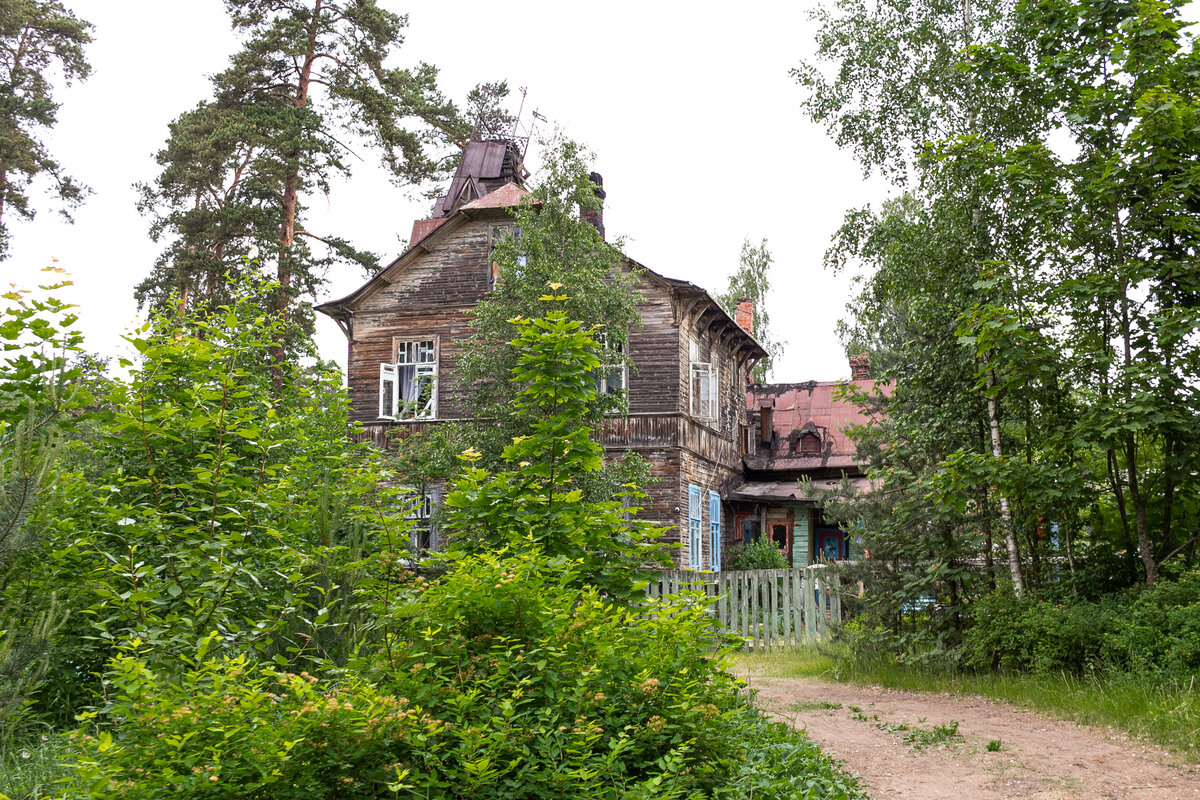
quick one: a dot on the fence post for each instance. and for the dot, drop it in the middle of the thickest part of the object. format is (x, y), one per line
(810, 603)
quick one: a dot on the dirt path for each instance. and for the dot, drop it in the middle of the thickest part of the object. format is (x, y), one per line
(1037, 757)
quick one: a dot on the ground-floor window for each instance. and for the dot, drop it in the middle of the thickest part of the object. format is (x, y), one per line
(695, 533)
(419, 510)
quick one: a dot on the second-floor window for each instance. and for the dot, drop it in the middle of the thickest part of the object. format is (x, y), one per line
(408, 387)
(610, 375)
(702, 378)
(704, 390)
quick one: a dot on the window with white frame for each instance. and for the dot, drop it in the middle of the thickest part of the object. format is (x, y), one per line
(418, 508)
(714, 529)
(695, 528)
(702, 380)
(408, 387)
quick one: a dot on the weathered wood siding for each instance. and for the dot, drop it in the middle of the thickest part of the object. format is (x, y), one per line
(429, 299)
(453, 273)
(654, 348)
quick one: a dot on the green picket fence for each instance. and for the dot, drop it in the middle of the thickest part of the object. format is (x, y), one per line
(767, 608)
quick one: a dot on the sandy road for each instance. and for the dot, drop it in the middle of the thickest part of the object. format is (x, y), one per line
(1038, 757)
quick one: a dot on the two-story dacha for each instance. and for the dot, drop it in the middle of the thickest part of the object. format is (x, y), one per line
(720, 465)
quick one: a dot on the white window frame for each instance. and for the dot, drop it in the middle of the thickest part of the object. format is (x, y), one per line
(714, 529)
(422, 355)
(695, 528)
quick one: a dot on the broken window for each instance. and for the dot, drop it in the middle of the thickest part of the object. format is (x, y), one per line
(408, 387)
(418, 509)
(610, 375)
(499, 234)
(810, 445)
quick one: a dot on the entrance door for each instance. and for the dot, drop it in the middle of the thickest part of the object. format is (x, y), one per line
(781, 536)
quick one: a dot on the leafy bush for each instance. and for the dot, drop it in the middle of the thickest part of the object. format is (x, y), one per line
(503, 680)
(759, 554)
(1143, 630)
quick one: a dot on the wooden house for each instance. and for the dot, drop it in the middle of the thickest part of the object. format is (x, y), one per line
(687, 410)
(800, 432)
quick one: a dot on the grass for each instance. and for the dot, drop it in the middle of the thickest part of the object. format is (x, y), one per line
(29, 767)
(1159, 710)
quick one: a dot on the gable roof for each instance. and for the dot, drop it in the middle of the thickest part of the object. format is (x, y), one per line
(425, 235)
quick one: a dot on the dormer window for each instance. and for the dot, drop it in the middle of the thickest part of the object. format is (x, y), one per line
(810, 445)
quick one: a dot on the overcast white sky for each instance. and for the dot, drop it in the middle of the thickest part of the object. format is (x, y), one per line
(691, 113)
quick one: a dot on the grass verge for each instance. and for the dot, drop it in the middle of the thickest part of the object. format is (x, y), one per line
(1157, 709)
(29, 767)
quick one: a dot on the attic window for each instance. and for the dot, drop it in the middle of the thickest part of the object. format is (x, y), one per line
(499, 234)
(810, 445)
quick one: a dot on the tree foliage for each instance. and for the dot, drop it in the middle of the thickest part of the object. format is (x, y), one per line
(554, 246)
(39, 41)
(751, 281)
(537, 499)
(1029, 290)
(313, 80)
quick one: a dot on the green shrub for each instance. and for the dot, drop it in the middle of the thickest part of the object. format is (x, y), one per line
(759, 554)
(1152, 629)
(1032, 634)
(502, 680)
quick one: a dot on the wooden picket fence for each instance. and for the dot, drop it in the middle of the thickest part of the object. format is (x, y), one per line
(767, 608)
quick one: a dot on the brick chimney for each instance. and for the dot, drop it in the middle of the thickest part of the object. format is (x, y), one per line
(860, 367)
(595, 217)
(745, 315)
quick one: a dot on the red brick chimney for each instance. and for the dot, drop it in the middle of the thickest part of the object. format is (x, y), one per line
(860, 367)
(745, 315)
(595, 217)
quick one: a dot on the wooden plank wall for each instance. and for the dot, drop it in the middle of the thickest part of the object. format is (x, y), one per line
(768, 609)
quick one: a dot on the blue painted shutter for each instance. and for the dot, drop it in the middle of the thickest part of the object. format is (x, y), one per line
(714, 529)
(695, 537)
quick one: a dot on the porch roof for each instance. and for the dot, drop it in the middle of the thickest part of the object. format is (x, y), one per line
(790, 491)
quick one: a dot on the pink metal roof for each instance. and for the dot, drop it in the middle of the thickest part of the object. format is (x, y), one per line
(796, 405)
(424, 227)
(506, 196)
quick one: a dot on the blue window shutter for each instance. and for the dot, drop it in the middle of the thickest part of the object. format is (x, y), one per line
(695, 535)
(714, 529)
